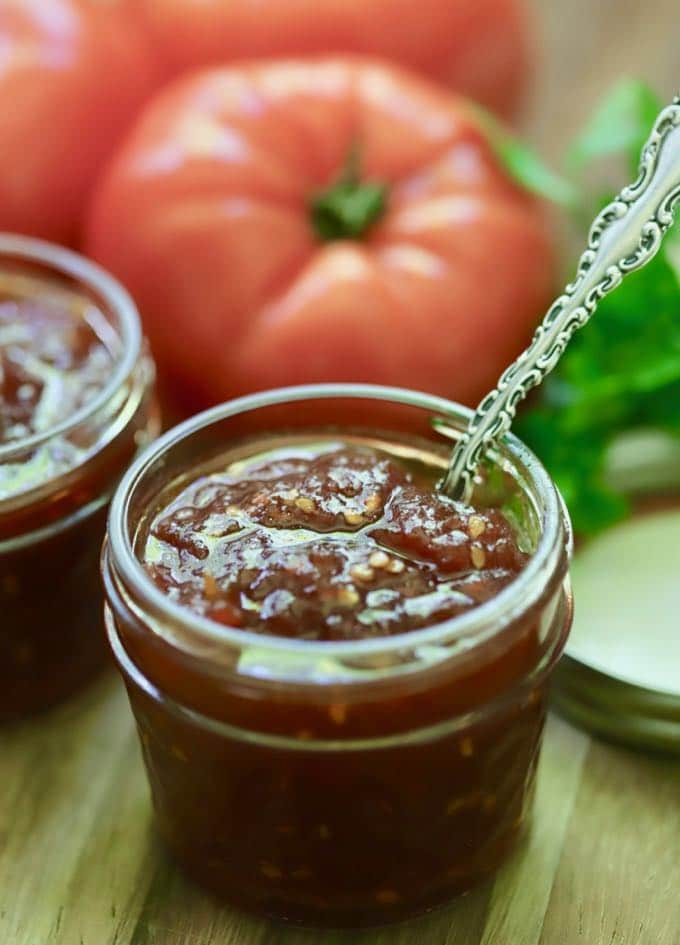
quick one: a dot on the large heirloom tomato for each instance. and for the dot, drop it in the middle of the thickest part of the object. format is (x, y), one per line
(71, 76)
(252, 271)
(479, 47)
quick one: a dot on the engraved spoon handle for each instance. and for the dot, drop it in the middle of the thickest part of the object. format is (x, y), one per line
(623, 237)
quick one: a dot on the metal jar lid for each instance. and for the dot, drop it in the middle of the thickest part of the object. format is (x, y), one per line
(615, 709)
(620, 673)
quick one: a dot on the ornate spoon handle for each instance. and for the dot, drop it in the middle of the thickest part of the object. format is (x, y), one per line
(623, 237)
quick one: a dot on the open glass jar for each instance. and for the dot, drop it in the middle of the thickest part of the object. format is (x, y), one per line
(56, 481)
(339, 783)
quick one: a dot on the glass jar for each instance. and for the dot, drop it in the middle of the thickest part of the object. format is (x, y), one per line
(51, 527)
(340, 783)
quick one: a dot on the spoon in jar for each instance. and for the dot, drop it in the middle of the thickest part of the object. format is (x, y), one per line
(624, 236)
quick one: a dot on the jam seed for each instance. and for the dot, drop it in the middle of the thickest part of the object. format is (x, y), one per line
(324, 832)
(379, 559)
(362, 572)
(387, 897)
(489, 802)
(352, 517)
(373, 502)
(178, 753)
(476, 526)
(478, 557)
(210, 588)
(338, 713)
(396, 566)
(467, 801)
(347, 596)
(466, 746)
(270, 871)
(301, 874)
(305, 504)
(454, 805)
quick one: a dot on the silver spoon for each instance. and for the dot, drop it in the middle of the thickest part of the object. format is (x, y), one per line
(623, 237)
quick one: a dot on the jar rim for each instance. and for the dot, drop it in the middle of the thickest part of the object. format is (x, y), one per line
(109, 291)
(525, 589)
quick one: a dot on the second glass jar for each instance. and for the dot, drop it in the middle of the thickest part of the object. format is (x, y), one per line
(52, 640)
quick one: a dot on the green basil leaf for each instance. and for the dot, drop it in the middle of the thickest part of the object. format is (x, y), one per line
(523, 164)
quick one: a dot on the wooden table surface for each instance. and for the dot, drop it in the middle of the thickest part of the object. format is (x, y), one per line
(79, 862)
(80, 865)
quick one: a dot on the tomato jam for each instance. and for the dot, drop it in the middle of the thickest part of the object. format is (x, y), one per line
(73, 407)
(338, 674)
(327, 542)
(52, 362)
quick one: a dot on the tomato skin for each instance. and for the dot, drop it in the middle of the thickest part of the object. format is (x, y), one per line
(71, 77)
(204, 214)
(478, 47)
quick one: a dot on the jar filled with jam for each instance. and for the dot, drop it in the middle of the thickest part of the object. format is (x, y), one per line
(338, 673)
(75, 407)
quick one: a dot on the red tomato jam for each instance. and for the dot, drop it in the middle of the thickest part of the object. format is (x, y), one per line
(52, 362)
(61, 345)
(338, 674)
(327, 543)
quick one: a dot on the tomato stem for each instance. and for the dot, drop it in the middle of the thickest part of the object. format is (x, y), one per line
(350, 206)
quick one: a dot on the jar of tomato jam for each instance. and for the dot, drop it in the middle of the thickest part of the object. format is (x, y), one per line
(75, 407)
(338, 675)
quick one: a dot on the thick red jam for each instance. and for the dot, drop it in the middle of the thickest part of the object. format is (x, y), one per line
(338, 674)
(62, 342)
(53, 362)
(327, 542)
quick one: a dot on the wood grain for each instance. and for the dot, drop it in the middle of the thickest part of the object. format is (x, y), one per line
(80, 864)
(79, 861)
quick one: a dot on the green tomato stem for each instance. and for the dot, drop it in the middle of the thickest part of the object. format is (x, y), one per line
(349, 207)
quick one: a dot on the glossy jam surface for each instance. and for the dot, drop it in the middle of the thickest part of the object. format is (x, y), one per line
(328, 542)
(53, 363)
(55, 357)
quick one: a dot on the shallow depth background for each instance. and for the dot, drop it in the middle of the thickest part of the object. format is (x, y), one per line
(582, 47)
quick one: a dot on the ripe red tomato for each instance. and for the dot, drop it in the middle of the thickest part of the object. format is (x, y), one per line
(71, 76)
(479, 47)
(206, 216)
